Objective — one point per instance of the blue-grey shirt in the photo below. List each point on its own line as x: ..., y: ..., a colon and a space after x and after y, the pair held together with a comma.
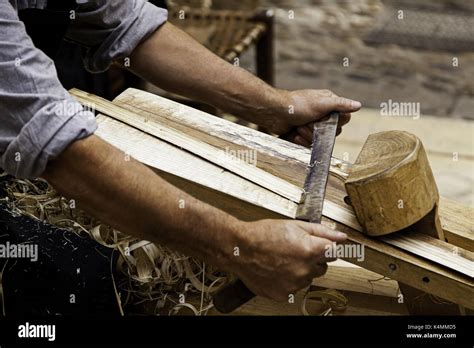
x: 38, y: 118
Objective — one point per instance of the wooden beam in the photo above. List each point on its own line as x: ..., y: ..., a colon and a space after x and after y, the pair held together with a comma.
x: 281, y: 158
x: 345, y: 276
x: 253, y: 202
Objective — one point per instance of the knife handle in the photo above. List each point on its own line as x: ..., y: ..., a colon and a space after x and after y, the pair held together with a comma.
x: 232, y: 296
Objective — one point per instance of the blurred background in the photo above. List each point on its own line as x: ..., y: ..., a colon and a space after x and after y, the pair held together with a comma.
x: 374, y: 51
x: 312, y: 38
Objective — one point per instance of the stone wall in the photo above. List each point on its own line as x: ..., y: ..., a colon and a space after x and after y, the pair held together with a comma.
x: 312, y: 46
x: 314, y: 38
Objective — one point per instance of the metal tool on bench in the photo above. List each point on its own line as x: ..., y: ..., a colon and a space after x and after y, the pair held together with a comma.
x: 236, y: 294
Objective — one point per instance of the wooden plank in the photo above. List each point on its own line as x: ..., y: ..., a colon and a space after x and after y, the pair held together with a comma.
x: 177, y: 164
x: 218, y: 156
x: 379, y: 257
x: 358, y: 304
x: 421, y: 244
x: 153, y: 127
x: 172, y: 109
x: 459, y: 259
x: 276, y: 156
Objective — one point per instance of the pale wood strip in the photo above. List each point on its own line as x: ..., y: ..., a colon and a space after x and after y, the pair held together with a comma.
x: 454, y: 257
x: 434, y: 249
x: 276, y: 156
x: 170, y: 159
x: 199, y: 148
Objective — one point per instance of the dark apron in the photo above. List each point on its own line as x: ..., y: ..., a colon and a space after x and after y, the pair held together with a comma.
x: 47, y: 27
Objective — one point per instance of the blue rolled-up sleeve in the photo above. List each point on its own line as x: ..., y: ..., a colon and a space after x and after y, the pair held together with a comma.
x: 38, y: 117
x: 110, y: 30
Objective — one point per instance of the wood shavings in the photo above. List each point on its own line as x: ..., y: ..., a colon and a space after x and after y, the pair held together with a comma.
x: 149, y: 273
x: 330, y: 299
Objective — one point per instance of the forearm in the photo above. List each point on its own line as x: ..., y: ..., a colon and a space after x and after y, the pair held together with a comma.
x: 133, y: 199
x: 174, y: 61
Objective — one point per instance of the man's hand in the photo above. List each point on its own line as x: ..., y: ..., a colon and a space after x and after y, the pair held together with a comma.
x: 303, y: 108
x: 279, y: 258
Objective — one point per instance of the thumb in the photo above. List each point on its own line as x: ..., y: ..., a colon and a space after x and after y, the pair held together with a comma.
x: 321, y: 231
x: 330, y: 104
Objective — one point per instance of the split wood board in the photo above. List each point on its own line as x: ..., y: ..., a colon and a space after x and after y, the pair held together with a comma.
x: 218, y: 156
x: 249, y: 201
x: 153, y: 126
x: 281, y: 158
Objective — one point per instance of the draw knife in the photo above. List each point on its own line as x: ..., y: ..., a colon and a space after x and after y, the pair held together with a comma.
x: 310, y: 209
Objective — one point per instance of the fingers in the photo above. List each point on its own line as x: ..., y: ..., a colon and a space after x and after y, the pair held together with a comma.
x: 322, y: 250
x: 306, y: 132
x: 344, y: 119
x: 330, y: 104
x: 322, y: 241
x: 321, y: 231
x: 302, y: 141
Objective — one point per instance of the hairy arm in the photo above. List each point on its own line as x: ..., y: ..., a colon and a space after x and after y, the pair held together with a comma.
x: 132, y: 198
x: 174, y: 61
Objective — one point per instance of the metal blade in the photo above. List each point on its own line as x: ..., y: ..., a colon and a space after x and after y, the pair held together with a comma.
x: 324, y: 136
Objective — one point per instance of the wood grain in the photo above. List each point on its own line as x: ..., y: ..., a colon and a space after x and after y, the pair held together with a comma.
x: 276, y: 156
x: 391, y: 185
x: 430, y: 248
x: 457, y: 221
x: 218, y: 156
